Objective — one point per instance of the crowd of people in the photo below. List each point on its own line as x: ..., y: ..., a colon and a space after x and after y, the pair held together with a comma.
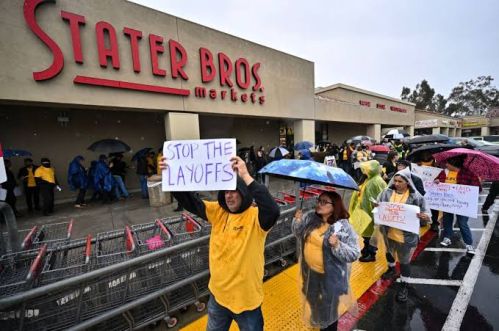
x: 327, y: 239
x: 105, y: 178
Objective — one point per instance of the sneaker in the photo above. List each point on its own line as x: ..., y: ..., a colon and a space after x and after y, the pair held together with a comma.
x: 368, y: 258
x: 470, y: 249
x: 78, y: 206
x: 402, y: 293
x: 389, y: 274
x: 446, y: 242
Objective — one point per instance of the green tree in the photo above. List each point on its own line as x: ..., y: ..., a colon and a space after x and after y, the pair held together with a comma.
x: 474, y: 97
x: 423, y: 96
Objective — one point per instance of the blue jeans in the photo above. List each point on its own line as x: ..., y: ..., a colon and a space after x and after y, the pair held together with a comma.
x: 462, y: 222
x: 220, y: 318
x: 119, y: 188
x: 143, y: 186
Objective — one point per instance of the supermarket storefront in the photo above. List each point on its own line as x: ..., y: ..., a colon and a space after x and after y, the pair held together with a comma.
x: 76, y: 72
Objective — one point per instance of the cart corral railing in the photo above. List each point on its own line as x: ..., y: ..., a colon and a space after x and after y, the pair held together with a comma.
x: 132, y: 293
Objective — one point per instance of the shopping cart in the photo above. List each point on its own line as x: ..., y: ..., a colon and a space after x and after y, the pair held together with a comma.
x: 53, y: 234
x: 28, y: 236
x: 182, y: 228
x: 80, y: 299
x: 114, y: 246
x: 281, y: 229
x: 151, y: 236
x: 205, y: 225
x: 19, y: 271
x: 68, y: 260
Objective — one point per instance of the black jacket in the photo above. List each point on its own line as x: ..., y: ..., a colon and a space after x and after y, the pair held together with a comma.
x: 268, y: 211
x: 418, y: 183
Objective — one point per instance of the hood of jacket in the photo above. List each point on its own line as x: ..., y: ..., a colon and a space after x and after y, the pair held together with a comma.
x: 247, y: 198
x: 370, y: 168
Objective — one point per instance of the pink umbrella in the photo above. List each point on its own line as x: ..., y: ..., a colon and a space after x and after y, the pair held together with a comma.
x: 481, y: 164
x: 379, y: 149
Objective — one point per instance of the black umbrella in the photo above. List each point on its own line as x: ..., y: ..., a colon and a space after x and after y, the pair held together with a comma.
x: 397, y: 134
x: 360, y: 139
x: 416, y: 154
x: 141, y: 153
x: 107, y: 146
x: 432, y: 138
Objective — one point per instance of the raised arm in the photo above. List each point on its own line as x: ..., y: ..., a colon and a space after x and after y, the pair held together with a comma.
x: 192, y: 203
x: 268, y: 211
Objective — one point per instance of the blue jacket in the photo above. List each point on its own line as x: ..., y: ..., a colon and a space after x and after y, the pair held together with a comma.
x: 103, y: 179
x: 77, y: 176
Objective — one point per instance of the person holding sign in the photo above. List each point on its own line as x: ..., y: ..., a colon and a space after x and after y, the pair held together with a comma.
x: 401, y: 244
x: 327, y: 245
x: 237, y: 243
x: 456, y: 174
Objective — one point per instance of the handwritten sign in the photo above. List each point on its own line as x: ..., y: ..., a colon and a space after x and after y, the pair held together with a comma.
x: 425, y: 173
x: 3, y: 173
x: 397, y: 215
x: 199, y: 165
x: 452, y: 198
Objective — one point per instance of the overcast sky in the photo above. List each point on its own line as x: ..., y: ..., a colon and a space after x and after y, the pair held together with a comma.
x: 378, y: 45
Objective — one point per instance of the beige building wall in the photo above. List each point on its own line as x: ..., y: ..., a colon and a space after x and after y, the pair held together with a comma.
x: 304, y: 130
x: 38, y: 131
x: 342, y: 103
x: 287, y: 81
x: 181, y: 126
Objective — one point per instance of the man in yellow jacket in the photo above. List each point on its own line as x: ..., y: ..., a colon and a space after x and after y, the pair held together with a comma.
x: 46, y: 180
x: 237, y: 247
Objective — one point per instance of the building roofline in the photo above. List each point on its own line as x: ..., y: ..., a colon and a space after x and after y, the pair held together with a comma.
x: 356, y: 89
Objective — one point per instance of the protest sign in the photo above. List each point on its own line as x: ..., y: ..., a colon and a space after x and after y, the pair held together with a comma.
x: 199, y: 165
x: 425, y: 173
x: 397, y: 215
x: 452, y: 198
x: 3, y: 173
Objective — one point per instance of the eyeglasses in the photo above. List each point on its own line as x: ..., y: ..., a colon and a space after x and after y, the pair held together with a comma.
x: 323, y: 202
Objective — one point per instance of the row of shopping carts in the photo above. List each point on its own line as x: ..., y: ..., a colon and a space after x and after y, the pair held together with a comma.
x: 122, y: 279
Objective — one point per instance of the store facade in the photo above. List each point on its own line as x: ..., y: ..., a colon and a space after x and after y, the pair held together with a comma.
x: 343, y: 111
x: 76, y: 72
x: 431, y: 123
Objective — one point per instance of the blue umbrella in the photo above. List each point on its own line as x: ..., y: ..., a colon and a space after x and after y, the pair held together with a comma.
x: 310, y: 172
x: 278, y: 152
x: 7, y: 153
x: 303, y: 145
x: 141, y: 153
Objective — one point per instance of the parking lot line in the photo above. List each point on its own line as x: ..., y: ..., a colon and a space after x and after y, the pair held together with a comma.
x: 432, y: 281
x: 445, y: 249
x: 463, y: 297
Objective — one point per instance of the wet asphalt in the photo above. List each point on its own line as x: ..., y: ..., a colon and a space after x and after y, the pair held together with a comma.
x: 429, y: 305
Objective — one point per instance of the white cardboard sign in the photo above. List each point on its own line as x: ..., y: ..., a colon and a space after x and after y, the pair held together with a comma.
x: 3, y: 173
x: 199, y: 165
x: 397, y: 215
x: 452, y: 198
x: 425, y: 173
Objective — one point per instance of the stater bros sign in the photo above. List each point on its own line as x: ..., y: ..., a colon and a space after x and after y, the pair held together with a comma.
x: 239, y: 80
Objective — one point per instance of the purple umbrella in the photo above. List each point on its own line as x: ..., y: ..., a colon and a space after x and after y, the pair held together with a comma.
x: 483, y: 165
